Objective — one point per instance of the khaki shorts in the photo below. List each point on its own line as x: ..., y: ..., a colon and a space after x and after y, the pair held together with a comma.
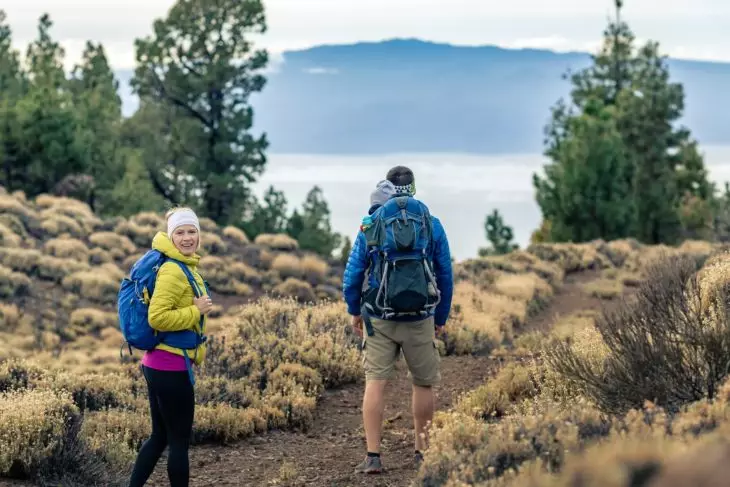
x: 417, y: 341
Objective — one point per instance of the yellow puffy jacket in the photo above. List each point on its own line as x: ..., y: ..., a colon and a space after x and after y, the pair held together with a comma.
x: 171, y: 307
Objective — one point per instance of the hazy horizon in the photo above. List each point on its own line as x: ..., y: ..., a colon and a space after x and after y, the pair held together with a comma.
x: 476, y: 185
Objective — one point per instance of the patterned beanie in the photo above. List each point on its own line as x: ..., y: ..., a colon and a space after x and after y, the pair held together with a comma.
x: 403, y: 180
x: 409, y: 189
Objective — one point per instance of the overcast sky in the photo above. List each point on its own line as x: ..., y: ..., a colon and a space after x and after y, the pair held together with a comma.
x: 685, y: 28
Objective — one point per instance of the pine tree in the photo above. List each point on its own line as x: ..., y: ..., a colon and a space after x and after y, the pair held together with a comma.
x: 199, y: 67
x: 498, y: 234
x: 270, y: 216
x: 45, y: 124
x: 12, y: 86
x: 98, y: 109
x: 619, y: 168
x: 312, y: 227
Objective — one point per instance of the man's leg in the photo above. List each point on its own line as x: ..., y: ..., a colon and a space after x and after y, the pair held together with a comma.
x: 422, y: 357
x: 373, y: 404
x: 423, y: 405
x: 379, y: 355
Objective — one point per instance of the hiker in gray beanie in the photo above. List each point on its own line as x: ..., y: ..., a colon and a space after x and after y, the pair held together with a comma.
x: 382, y: 193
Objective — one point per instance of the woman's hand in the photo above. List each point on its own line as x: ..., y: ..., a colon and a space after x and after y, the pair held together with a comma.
x: 204, y: 304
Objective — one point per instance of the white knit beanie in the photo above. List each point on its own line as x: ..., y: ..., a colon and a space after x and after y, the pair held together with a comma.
x: 383, y: 191
x: 182, y: 217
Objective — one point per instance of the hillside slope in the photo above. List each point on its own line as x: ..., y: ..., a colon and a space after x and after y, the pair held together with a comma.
x: 61, y: 266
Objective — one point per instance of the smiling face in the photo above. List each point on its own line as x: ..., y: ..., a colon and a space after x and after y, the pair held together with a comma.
x: 185, y: 238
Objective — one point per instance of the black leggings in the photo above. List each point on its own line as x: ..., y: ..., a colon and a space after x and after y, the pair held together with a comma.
x: 172, y: 407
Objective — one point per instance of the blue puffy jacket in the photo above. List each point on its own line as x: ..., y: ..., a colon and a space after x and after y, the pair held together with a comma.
x: 360, y: 258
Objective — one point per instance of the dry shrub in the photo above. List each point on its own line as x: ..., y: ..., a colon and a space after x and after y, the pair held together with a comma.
x: 269, y: 332
x: 237, y: 235
x: 314, y: 269
x: 111, y: 242
x: 218, y: 272
x: 212, y: 244
x: 604, y: 288
x: 55, y: 268
x: 646, y: 448
x: 91, y: 320
x: 8, y: 238
x: 116, y: 434
x: 16, y: 374
x: 13, y: 206
x: 278, y: 241
x: 270, y: 279
x: 141, y: 235
x: 238, y: 393
x: 149, y: 219
x: 287, y: 265
x: 619, y: 251
x: 55, y: 224
x: 571, y: 257
x: 325, y: 291
x: 67, y: 248
x: 244, y: 273
x: 93, y: 285
x: 481, y: 319
x: 492, y: 400
x: 208, y: 225
x: 130, y: 260
x: 98, y: 256
x: 467, y: 451
x: 527, y: 288
x: 222, y: 423
x: 669, y: 345
x: 15, y: 225
x: 20, y: 260
x: 295, y: 288
x: 33, y: 425
x: 12, y: 283
x: 9, y: 316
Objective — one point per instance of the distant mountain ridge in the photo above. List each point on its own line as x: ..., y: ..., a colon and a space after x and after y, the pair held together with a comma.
x: 409, y: 95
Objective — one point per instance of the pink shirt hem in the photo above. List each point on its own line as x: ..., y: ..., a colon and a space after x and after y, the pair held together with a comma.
x: 164, y: 360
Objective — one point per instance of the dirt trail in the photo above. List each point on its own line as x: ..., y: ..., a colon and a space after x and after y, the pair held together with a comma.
x: 327, y: 454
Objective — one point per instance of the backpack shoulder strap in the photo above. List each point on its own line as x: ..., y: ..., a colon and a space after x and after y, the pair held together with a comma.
x: 191, y: 278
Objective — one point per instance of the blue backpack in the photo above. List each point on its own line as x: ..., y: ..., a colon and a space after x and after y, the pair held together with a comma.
x: 133, y: 305
x: 400, y: 235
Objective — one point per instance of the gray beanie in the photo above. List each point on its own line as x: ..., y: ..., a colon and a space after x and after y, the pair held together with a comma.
x: 383, y: 191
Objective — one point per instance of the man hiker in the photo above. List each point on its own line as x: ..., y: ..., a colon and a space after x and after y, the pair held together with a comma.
x: 404, y: 306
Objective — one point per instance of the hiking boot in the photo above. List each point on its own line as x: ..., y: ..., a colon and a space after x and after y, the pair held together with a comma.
x: 370, y: 465
x: 418, y: 457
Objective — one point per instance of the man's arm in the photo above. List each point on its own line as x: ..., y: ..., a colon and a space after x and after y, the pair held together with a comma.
x: 443, y: 272
x: 355, y: 274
